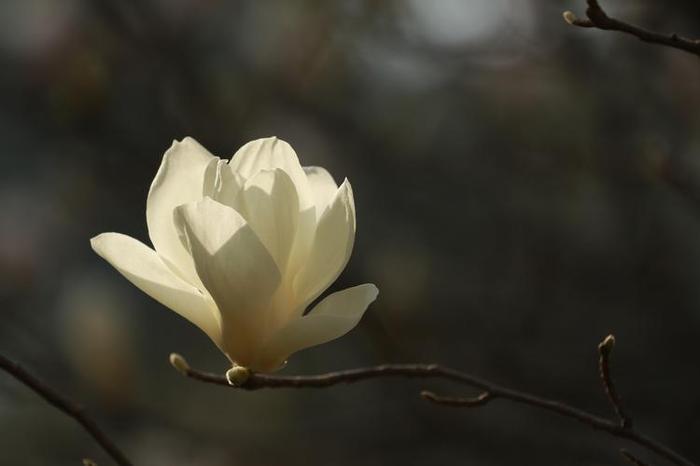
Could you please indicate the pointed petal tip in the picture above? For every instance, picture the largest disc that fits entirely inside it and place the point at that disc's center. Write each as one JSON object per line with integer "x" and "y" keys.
{"x": 372, "y": 291}
{"x": 345, "y": 188}
{"x": 187, "y": 141}
{"x": 97, "y": 242}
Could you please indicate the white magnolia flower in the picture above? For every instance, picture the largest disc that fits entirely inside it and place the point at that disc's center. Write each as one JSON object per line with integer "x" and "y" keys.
{"x": 243, "y": 247}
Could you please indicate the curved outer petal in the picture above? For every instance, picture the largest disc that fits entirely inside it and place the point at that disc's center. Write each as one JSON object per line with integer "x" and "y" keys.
{"x": 180, "y": 179}
{"x": 144, "y": 268}
{"x": 331, "y": 248}
{"x": 322, "y": 186}
{"x": 333, "y": 317}
{"x": 236, "y": 269}
{"x": 270, "y": 205}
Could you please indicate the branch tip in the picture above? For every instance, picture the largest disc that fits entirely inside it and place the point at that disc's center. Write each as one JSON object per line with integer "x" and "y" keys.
{"x": 571, "y": 18}
{"x": 604, "y": 349}
{"x": 606, "y": 346}
{"x": 179, "y": 363}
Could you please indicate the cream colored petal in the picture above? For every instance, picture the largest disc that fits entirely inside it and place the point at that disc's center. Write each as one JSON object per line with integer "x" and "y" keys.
{"x": 331, "y": 247}
{"x": 333, "y": 317}
{"x": 268, "y": 154}
{"x": 180, "y": 179}
{"x": 323, "y": 187}
{"x": 270, "y": 205}
{"x": 236, "y": 269}
{"x": 221, "y": 183}
{"x": 143, "y": 267}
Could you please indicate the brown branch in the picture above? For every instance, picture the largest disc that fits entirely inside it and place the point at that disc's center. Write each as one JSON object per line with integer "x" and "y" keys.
{"x": 247, "y": 380}
{"x": 65, "y": 405}
{"x": 604, "y": 349}
{"x": 599, "y": 19}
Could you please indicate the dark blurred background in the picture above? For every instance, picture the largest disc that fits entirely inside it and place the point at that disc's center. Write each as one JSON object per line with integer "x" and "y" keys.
{"x": 523, "y": 188}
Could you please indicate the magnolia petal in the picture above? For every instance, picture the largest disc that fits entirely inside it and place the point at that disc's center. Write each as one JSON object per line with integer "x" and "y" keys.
{"x": 180, "y": 179}
{"x": 236, "y": 269}
{"x": 331, "y": 248}
{"x": 270, "y": 205}
{"x": 221, "y": 183}
{"x": 268, "y": 154}
{"x": 322, "y": 186}
{"x": 143, "y": 267}
{"x": 332, "y": 318}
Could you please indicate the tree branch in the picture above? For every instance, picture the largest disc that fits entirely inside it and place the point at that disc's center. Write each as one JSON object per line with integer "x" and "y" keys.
{"x": 65, "y": 405}
{"x": 247, "y": 380}
{"x": 599, "y": 19}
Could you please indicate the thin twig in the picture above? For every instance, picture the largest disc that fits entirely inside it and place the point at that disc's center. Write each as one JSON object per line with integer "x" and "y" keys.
{"x": 599, "y": 19}
{"x": 65, "y": 405}
{"x": 632, "y": 459}
{"x": 604, "y": 349}
{"x": 255, "y": 381}
{"x": 472, "y": 402}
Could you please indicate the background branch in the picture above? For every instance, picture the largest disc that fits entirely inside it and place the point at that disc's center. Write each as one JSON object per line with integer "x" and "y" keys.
{"x": 490, "y": 391}
{"x": 599, "y": 19}
{"x": 65, "y": 405}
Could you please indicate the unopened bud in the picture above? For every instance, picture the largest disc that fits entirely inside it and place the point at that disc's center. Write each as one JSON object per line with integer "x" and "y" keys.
{"x": 179, "y": 363}
{"x": 569, "y": 17}
{"x": 237, "y": 375}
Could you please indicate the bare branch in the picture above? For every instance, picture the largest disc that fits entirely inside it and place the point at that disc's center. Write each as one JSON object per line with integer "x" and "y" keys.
{"x": 65, "y": 405}
{"x": 491, "y": 391}
{"x": 604, "y": 349}
{"x": 599, "y": 19}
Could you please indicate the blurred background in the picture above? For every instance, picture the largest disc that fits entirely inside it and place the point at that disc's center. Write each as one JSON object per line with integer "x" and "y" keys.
{"x": 523, "y": 188}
